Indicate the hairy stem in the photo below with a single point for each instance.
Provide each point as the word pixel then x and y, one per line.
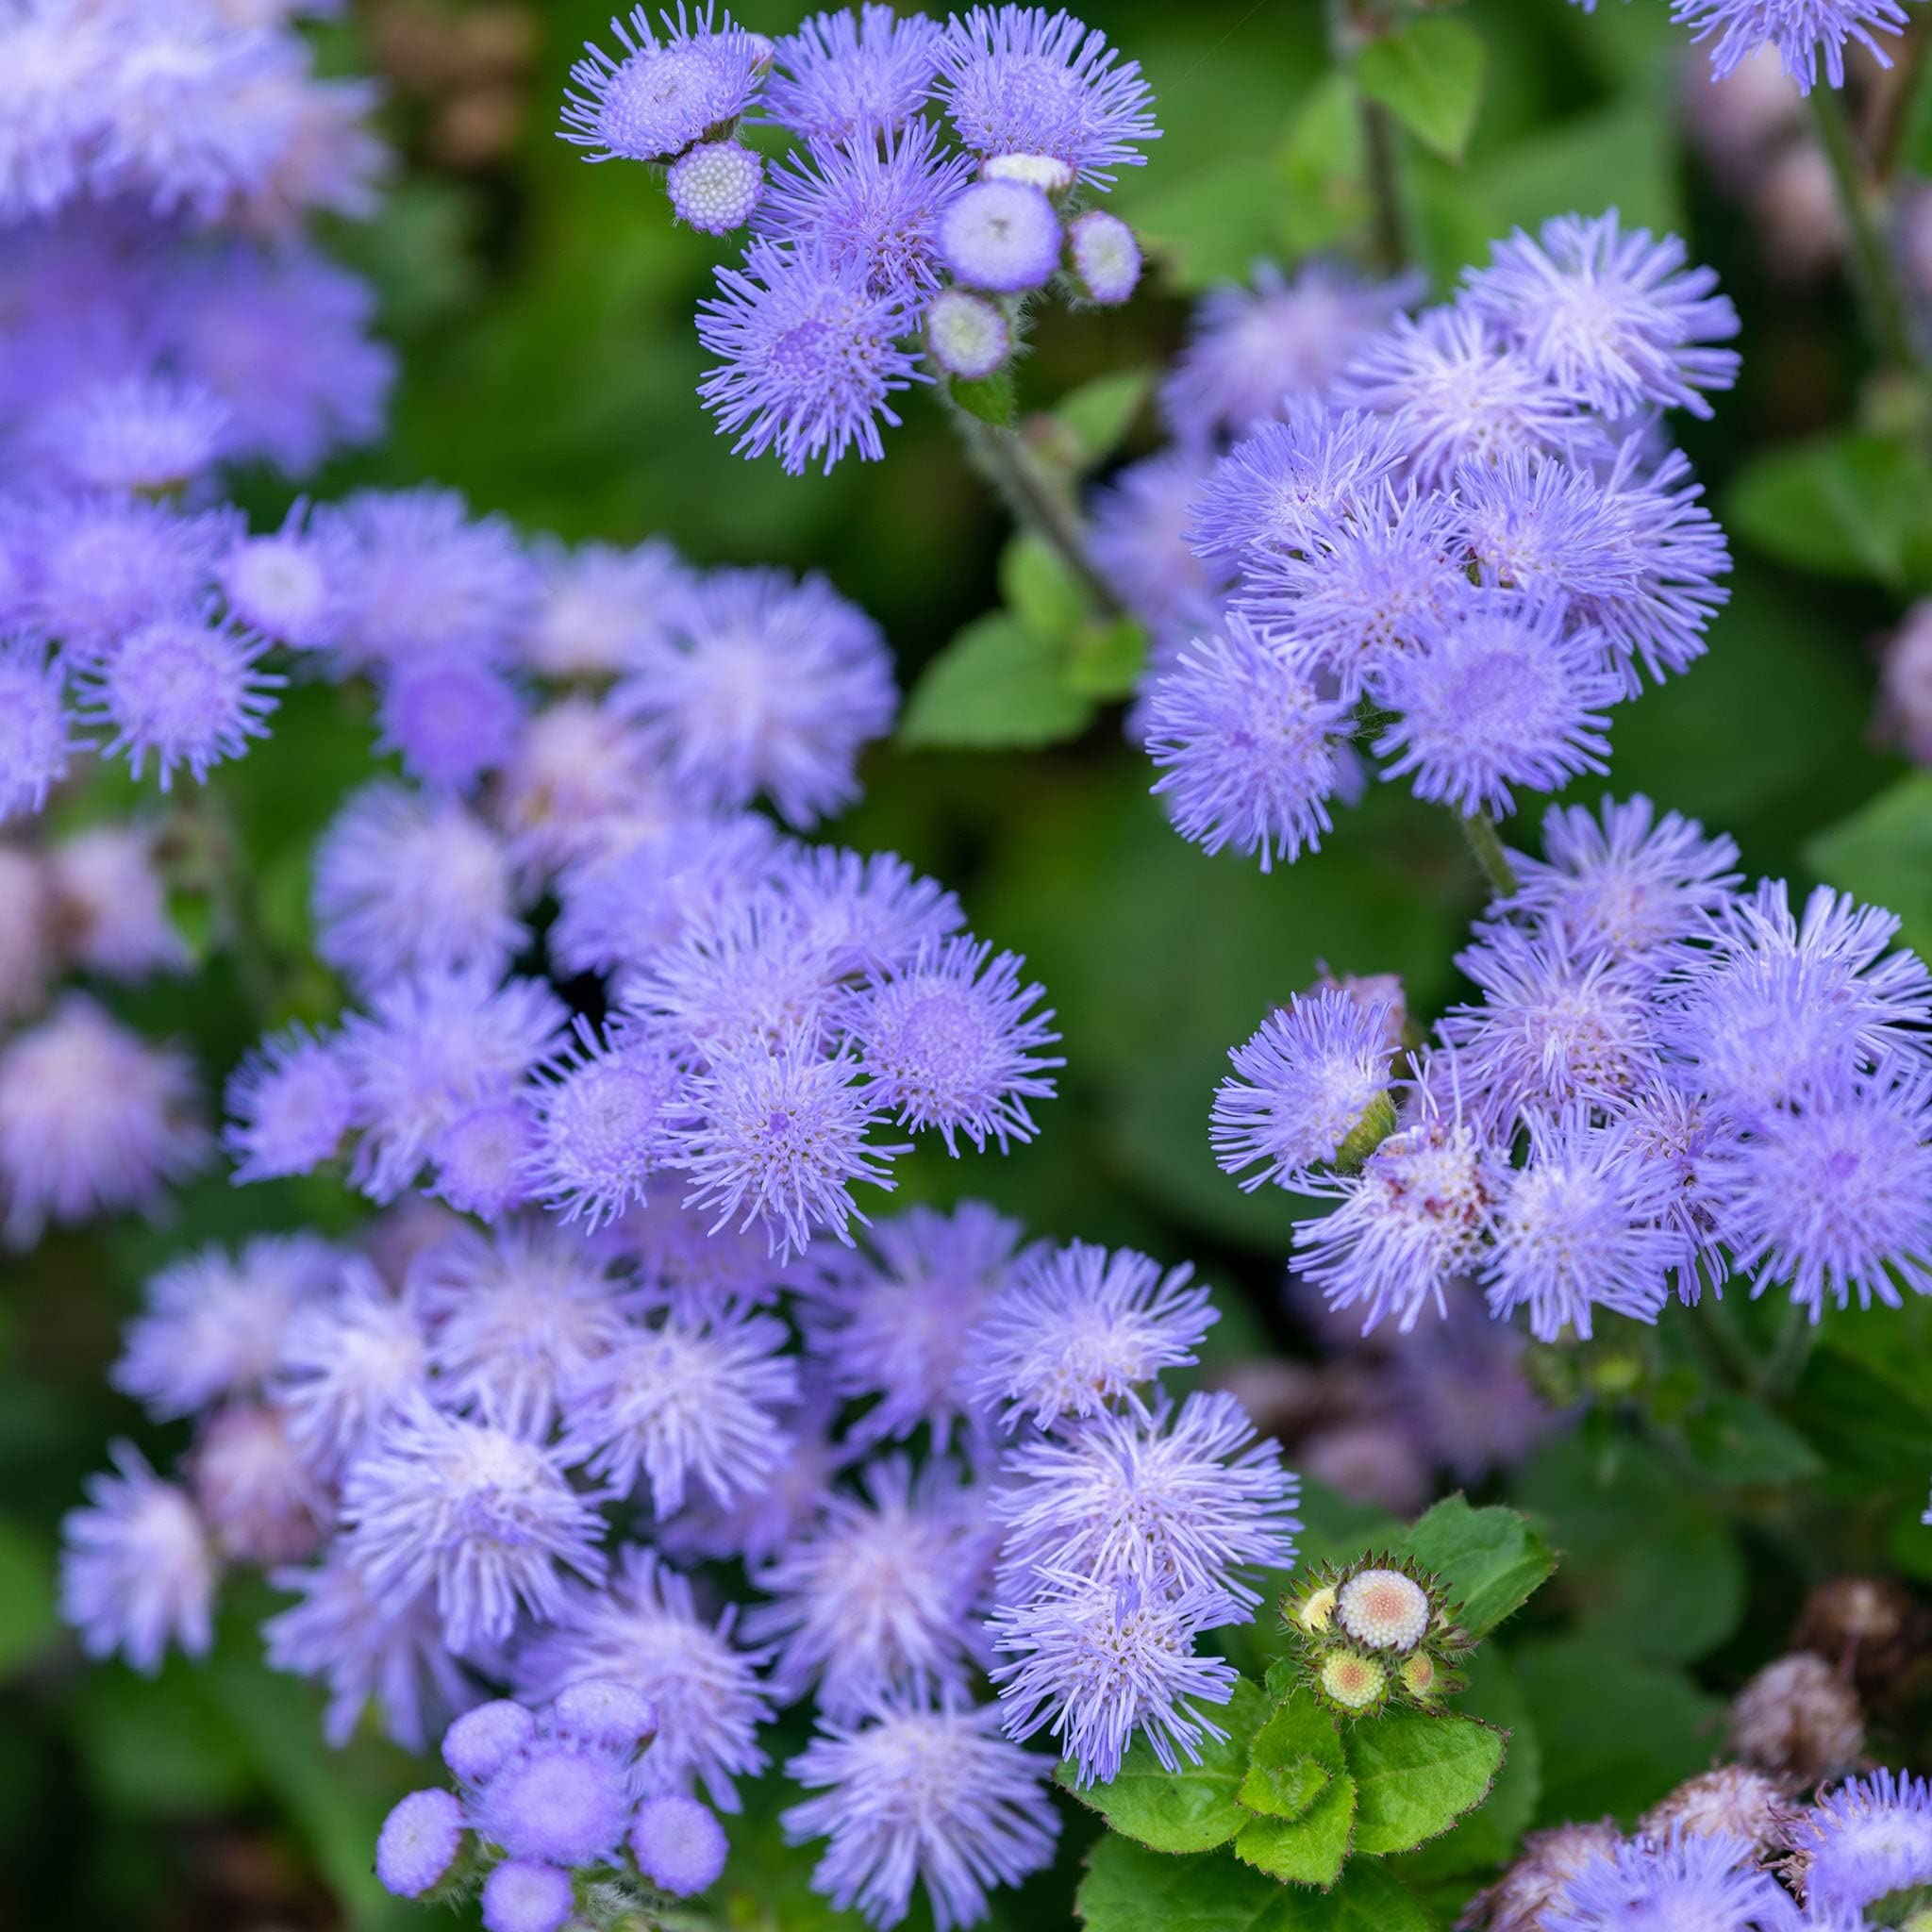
pixel 1038 503
pixel 1874 275
pixel 1389 237
pixel 1486 844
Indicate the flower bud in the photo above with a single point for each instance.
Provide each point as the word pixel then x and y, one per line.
pixel 1795 1719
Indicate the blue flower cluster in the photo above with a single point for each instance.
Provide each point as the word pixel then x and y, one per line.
pixel 881 235
pixel 970 1473
pixel 162 320
pixel 1804 33
pixel 1700 1082
pixel 1456 535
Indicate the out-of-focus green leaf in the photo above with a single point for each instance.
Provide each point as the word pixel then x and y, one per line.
pixel 159 1746
pixel 1416 1772
pixel 1621 1733
pixel 1870 1422
pixel 992 398
pixel 1883 853
pixel 1626 153
pixel 1490 1559
pixel 1190 1809
pixel 1847 505
pixel 1099 414
pixel 1324 194
pixel 1429 75
pixel 1735 1439
pixel 27 1618
pixel 995 685
pixel 1106 660
pixel 1040 590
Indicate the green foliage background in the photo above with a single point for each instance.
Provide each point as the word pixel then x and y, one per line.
pixel 544 311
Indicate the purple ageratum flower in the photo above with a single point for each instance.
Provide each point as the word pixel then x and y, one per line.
pixel 290 1103
pixel 138 1570
pixel 872 911
pixel 37 730
pixel 112 901
pixel 556 1803
pixel 1548 527
pixel 882 1596
pixel 773 686
pixel 1246 746
pixel 1571 1233
pixel 716 187
pixel 1691 1878
pixel 483 1740
pixel 781 1138
pixel 420 1842
pixel 348 1364
pixel 1499 692
pixel 1802 31
pixel 1105 256
pixel 187 689
pixel 1183 1501
pixel 875 211
pixel 755 1528
pixel 403 882
pixel 365 1654
pixel 1412 1221
pixel 642 1629
pixel 682 1265
pixel 808 356
pixel 1833 1194
pixel 283 337
pixel 260 1499
pixel 450 719
pixel 1615 319
pixel 686 1404
pixel 1096 1661
pixel 481 1516
pixel 678 1845
pixel 1365 589
pixel 54 61
pixel 661 95
pixel 432 1046
pixel 94 1119
pixel 953 1042
pixel 1670 1142
pixel 1139 527
pixel 1622 880
pixel 1679 554
pixel 1081 1329
pixel 150 433
pixel 851 80
pixel 901 1324
pixel 1283 489
pixel 284 586
pixel 421 579
pixel 620 909
pixel 1017 80
pixel 482 1157
pixel 915 1794
pixel 1000 236
pixel 580 782
pixel 521 1895
pixel 516 1320
pixel 1456 392
pixel 759 976
pixel 1869 1837
pixel 102 567
pixel 215 1322
pixel 607 1118
pixel 603 609
pixel 1249 350
pixel 1302 1086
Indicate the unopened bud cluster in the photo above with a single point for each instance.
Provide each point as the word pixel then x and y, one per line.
pixel 1374 1631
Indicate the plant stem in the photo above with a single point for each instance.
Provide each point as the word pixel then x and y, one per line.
pixel 1486 844
pixel 1777 1374
pixel 1389 237
pixel 1873 273
pixel 1038 503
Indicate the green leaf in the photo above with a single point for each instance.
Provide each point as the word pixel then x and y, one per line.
pixel 1429 75
pixel 1308 1850
pixel 1633 144
pixel 1099 413
pixel 1107 658
pixel 1492 1561
pixel 1847 505
pixel 1192 1809
pixel 1628 1731
pixel 1323 192
pixel 1040 590
pixel 1487 1836
pixel 992 398
pixel 1130 1890
pixel 1294 1754
pixel 27 1617
pixel 1735 1439
pixel 1865 1419
pixel 995 686
pixel 1415 1774
pixel 1883 853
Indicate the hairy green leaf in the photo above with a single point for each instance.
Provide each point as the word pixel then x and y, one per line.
pixel 1308 1850
pixel 1415 1774
pixel 1492 1561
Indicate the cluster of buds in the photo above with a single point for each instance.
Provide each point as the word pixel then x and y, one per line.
pixel 1377 1630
